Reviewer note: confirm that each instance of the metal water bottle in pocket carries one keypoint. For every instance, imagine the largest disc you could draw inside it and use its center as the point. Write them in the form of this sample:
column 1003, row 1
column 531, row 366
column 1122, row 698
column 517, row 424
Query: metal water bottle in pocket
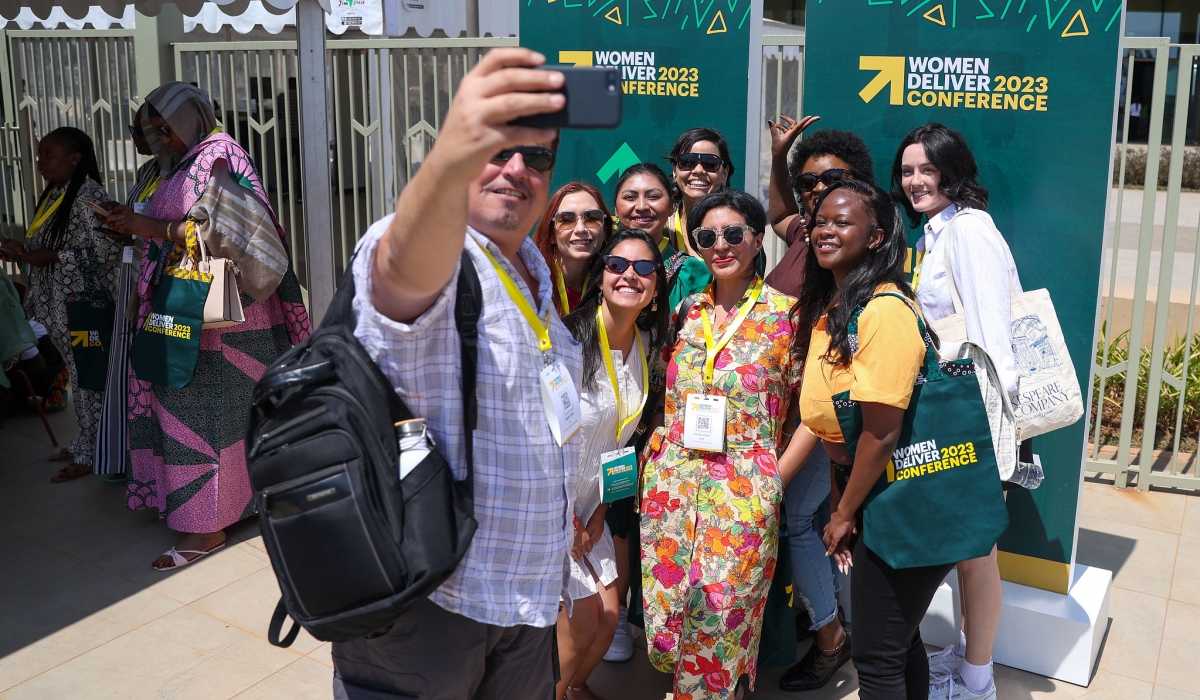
column 414, row 444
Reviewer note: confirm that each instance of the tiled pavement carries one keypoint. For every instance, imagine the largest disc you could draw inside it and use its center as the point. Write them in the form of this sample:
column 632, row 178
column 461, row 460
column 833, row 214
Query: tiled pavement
column 82, row 614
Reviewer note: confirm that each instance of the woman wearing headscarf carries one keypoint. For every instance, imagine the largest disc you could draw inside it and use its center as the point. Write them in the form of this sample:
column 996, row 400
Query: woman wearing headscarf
column 186, row 444
column 111, row 436
column 69, row 260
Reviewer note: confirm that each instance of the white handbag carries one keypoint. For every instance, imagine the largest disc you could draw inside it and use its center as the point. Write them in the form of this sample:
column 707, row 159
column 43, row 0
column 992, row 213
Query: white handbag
column 1048, row 395
column 223, row 307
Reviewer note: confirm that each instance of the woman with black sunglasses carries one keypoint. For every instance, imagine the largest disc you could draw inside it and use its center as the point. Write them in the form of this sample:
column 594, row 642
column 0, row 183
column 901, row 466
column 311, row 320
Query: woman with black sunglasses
column 700, row 166
column 712, row 483
column 621, row 318
column 573, row 227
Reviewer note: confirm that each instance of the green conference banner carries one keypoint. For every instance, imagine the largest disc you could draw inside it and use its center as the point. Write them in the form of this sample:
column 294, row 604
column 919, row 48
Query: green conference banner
column 683, row 63
column 1031, row 84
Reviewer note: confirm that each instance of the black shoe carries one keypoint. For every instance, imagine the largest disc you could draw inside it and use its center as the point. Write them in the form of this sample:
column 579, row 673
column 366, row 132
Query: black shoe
column 816, row 668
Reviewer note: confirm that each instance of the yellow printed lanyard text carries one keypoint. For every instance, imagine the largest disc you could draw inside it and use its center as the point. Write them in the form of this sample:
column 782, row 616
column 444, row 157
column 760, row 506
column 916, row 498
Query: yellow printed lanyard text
column 44, row 213
column 540, row 329
column 612, row 372
column 711, row 349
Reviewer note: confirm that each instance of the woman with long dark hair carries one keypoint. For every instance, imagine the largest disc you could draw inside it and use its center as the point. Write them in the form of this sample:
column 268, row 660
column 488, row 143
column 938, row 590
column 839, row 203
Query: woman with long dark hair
column 712, row 482
column 817, row 161
column 621, row 319
column 934, row 176
column 858, row 245
column 574, row 225
column 69, row 260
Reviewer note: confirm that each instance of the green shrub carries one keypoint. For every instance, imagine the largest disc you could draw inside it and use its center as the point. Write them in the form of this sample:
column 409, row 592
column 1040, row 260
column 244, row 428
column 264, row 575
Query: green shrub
column 1180, row 358
column 1135, row 167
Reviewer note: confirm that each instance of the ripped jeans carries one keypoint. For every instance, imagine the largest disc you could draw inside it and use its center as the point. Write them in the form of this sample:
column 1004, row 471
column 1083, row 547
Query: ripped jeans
column 806, row 501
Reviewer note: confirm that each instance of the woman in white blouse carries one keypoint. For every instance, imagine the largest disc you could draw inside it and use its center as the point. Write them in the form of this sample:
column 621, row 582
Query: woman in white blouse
column 621, row 318
column 934, row 177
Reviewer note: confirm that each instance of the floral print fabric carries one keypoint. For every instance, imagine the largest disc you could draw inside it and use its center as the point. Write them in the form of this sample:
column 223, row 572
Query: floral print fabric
column 710, row 519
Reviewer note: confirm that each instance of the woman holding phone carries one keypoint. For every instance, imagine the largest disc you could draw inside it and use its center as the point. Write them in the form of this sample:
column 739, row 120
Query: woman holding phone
column 620, row 320
column 68, row 258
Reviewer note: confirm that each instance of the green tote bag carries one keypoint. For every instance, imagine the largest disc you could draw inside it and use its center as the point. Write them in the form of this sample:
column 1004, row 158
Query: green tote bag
column 940, row 500
column 90, row 323
column 166, row 347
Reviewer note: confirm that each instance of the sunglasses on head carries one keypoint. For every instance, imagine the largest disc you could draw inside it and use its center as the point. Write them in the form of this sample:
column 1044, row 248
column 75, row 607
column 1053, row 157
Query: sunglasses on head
column 535, row 157
column 592, row 219
column 808, row 181
column 688, row 161
column 733, row 234
column 618, row 265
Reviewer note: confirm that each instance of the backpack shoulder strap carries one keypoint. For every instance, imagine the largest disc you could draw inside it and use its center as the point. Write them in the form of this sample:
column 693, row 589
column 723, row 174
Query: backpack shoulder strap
column 468, row 305
column 685, row 308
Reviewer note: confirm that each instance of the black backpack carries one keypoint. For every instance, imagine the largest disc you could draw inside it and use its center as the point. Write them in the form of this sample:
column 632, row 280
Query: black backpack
column 352, row 545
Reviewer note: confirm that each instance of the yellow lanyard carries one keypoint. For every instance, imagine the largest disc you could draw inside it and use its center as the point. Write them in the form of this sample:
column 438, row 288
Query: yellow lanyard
column 676, row 224
column 916, row 278
column 662, row 245
column 43, row 214
column 612, row 372
column 514, row 292
column 150, row 188
column 560, row 282
column 712, row 350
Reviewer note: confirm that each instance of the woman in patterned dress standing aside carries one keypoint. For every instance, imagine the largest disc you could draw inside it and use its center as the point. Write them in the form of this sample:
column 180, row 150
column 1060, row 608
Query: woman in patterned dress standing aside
column 712, row 485
column 186, row 445
column 66, row 255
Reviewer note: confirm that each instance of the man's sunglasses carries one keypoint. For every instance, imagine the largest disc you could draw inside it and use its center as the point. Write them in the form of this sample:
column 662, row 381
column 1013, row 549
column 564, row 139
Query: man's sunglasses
column 733, row 234
column 808, row 181
column 689, row 161
column 618, row 265
column 535, row 157
column 592, row 219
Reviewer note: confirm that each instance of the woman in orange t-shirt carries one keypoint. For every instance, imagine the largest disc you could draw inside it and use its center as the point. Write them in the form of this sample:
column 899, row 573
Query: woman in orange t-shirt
column 857, row 237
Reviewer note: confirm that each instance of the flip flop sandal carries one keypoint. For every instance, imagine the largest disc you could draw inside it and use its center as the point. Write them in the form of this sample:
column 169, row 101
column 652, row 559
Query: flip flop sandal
column 178, row 560
column 61, row 456
column 70, row 473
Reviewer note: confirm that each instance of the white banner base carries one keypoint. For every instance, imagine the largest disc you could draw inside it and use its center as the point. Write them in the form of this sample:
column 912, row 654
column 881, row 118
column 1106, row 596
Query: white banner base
column 1041, row 632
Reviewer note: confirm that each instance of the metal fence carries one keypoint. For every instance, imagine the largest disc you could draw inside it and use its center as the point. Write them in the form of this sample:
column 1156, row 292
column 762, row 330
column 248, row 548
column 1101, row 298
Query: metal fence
column 1147, row 366
column 782, row 93
column 51, row 79
column 387, row 99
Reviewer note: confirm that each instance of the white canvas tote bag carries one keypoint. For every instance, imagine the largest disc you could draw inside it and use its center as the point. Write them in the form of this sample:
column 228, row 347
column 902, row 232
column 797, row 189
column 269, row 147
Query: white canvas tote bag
column 1048, row 395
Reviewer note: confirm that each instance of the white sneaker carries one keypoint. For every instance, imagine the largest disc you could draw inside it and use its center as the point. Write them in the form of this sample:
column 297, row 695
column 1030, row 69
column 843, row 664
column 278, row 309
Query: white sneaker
column 621, row 648
column 951, row 687
column 944, row 662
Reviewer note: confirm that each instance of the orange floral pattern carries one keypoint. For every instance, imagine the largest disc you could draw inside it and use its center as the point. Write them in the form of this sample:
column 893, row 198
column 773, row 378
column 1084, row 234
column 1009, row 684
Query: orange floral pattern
column 709, row 520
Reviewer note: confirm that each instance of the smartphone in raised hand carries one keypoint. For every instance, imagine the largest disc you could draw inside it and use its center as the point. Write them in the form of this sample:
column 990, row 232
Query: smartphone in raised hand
column 593, row 100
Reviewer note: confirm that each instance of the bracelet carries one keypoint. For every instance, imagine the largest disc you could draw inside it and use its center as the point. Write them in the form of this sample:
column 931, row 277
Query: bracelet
column 170, row 225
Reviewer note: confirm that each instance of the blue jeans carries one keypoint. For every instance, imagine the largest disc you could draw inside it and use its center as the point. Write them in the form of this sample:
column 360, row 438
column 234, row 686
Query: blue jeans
column 806, row 500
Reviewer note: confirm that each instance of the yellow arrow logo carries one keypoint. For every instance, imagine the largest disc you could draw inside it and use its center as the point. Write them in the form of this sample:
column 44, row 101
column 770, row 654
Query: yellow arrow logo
column 79, row 338
column 581, row 59
column 891, row 71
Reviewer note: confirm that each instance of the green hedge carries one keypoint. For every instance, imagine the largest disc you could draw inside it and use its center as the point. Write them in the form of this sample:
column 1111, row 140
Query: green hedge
column 1135, row 167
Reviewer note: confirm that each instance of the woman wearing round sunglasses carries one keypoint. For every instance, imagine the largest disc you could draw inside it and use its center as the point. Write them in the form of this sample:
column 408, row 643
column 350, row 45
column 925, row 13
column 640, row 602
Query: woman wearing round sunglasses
column 701, row 165
column 621, row 318
column 712, row 483
column 574, row 225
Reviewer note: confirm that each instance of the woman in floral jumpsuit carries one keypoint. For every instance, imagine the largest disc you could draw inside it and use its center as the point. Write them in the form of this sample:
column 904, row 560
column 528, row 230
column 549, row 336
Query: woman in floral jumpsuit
column 710, row 521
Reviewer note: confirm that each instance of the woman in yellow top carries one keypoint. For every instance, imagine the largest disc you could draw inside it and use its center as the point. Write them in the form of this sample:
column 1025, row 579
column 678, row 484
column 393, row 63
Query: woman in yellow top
column 712, row 482
column 857, row 237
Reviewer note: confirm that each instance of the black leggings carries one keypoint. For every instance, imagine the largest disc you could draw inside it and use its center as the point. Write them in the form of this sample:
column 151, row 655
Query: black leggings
column 887, row 606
